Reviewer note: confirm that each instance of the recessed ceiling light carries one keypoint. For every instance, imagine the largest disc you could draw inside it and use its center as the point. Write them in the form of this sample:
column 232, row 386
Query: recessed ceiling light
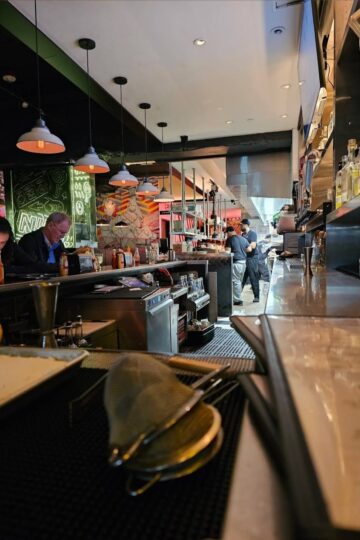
column 24, row 104
column 284, row 116
column 219, row 108
column 301, row 83
column 286, row 86
column 278, row 30
column 198, row 42
column 228, row 122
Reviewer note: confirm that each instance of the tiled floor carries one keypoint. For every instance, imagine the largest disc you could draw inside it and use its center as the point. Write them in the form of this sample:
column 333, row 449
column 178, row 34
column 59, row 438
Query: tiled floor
column 248, row 308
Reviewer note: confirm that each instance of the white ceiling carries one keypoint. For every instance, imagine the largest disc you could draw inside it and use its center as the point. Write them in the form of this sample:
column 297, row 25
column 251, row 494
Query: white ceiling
column 236, row 76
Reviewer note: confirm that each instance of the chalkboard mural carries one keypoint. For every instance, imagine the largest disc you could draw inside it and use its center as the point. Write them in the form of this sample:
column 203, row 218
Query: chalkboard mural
column 36, row 193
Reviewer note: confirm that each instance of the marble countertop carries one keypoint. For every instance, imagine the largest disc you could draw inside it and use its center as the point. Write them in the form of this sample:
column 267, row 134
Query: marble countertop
column 326, row 293
column 320, row 358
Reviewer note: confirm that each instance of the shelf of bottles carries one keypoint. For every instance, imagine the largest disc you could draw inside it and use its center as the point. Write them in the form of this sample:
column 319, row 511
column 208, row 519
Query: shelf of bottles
column 347, row 181
column 183, row 217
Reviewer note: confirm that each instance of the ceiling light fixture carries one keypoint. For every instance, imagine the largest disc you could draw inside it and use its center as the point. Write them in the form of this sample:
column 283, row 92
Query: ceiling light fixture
column 39, row 140
column 198, row 42
column 102, row 222
column 284, row 116
column 228, row 122
column 90, row 162
column 146, row 187
column 278, row 30
column 164, row 195
column 121, row 225
column 286, row 86
column 123, row 178
column 301, row 83
column 9, row 77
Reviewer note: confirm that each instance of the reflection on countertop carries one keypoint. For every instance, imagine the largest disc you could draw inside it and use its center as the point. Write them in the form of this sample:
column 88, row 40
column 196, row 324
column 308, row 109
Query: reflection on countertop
column 320, row 357
column 327, row 293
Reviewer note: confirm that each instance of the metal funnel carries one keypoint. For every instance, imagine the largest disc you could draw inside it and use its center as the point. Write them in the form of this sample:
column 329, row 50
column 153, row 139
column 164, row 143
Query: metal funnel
column 45, row 298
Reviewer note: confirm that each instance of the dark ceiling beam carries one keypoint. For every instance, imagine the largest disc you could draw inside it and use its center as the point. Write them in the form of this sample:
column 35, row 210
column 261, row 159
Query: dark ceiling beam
column 220, row 147
column 24, row 30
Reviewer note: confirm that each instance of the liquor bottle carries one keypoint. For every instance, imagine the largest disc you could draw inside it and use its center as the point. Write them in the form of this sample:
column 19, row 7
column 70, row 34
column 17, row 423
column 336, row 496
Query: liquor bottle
column 114, row 263
column 356, row 174
column 338, row 186
column 64, row 265
column 136, row 257
column 352, row 167
column 120, row 259
column 2, row 272
column 344, row 180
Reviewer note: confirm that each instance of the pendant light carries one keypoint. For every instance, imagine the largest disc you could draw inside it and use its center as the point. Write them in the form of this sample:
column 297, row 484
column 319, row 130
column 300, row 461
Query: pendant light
column 39, row 140
column 123, row 178
column 90, row 162
column 164, row 196
column 146, row 188
column 121, row 225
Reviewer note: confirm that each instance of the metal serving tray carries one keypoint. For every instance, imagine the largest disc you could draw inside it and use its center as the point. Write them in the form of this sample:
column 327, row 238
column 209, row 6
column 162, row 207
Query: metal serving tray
column 27, row 371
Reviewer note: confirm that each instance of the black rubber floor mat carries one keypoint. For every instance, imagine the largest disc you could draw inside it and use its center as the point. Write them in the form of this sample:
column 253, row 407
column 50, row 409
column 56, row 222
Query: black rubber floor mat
column 226, row 343
column 55, row 483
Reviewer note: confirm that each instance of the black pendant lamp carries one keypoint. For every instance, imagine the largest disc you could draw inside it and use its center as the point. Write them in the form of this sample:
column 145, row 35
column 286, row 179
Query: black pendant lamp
column 146, row 188
column 164, row 195
column 39, row 140
column 123, row 178
column 121, row 225
column 90, row 162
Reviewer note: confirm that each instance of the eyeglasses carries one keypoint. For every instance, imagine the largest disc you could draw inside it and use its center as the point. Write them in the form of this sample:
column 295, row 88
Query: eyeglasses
column 61, row 230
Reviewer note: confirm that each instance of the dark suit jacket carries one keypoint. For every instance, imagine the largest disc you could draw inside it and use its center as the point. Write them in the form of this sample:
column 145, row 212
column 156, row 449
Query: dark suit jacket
column 34, row 244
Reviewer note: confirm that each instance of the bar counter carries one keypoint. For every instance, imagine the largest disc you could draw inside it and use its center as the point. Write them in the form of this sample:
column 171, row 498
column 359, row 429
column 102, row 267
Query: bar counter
column 327, row 293
column 89, row 278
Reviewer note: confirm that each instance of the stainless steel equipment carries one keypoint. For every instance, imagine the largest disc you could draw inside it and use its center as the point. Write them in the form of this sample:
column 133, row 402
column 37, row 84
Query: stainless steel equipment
column 45, row 299
column 146, row 318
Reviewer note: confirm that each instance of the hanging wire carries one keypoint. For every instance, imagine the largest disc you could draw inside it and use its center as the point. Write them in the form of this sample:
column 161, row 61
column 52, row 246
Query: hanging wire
column 37, row 61
column 89, row 100
column 146, row 163
column 122, row 124
column 162, row 145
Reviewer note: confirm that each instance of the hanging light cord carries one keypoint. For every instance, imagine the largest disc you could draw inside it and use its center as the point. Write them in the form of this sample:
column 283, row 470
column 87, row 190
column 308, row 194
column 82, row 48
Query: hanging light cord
column 146, row 163
column 162, row 145
column 37, row 62
column 89, row 101
column 122, row 126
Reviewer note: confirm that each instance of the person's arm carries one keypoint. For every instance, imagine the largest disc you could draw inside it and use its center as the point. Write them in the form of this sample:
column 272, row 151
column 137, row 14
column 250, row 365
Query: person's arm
column 24, row 263
column 253, row 238
column 248, row 247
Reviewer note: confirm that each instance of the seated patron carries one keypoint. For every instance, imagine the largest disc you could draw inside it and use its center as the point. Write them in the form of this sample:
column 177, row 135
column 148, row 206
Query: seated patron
column 45, row 244
column 14, row 258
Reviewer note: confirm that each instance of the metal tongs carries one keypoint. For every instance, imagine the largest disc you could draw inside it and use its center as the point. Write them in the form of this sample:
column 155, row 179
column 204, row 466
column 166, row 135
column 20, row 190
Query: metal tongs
column 118, row 455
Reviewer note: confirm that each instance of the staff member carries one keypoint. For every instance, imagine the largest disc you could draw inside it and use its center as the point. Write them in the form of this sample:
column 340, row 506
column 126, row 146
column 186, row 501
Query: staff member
column 239, row 247
column 15, row 259
column 252, row 259
column 45, row 244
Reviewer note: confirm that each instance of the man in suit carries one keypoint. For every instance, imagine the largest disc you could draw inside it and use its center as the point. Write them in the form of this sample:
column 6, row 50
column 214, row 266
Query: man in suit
column 45, row 244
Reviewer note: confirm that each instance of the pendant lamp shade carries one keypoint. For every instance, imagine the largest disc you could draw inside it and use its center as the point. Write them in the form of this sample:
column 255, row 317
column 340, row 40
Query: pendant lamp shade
column 39, row 140
column 147, row 188
column 121, row 225
column 164, row 195
column 122, row 178
column 90, row 162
